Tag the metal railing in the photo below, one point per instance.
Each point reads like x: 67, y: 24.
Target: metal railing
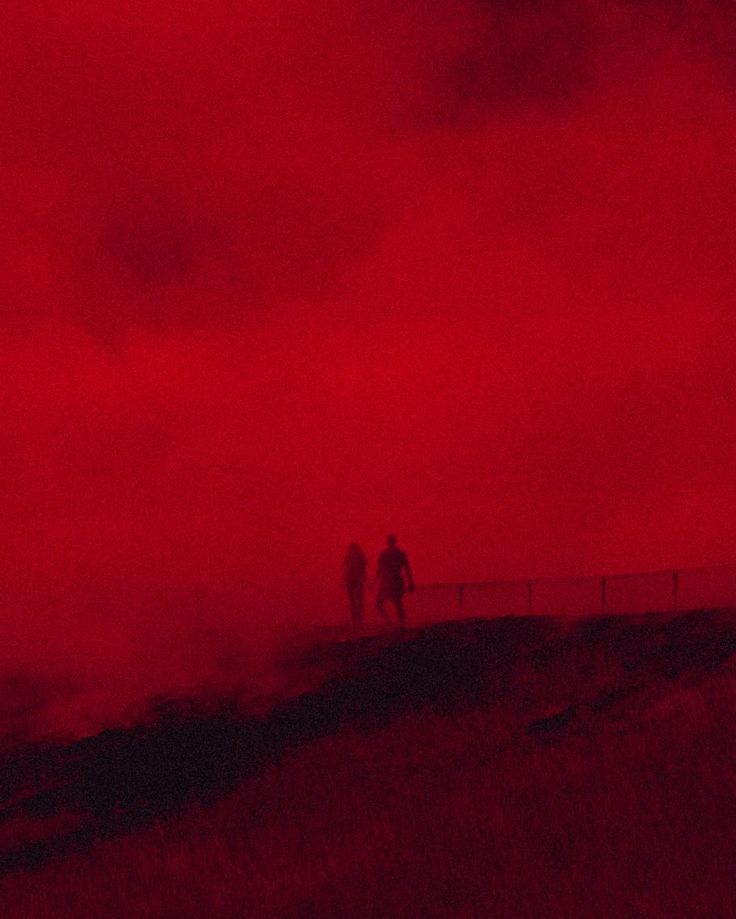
x: 638, y: 592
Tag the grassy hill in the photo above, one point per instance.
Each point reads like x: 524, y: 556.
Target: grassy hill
x: 508, y: 767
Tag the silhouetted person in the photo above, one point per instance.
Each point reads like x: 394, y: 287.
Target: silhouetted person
x: 393, y: 563
x: 354, y: 568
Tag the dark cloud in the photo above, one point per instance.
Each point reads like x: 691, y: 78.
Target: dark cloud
x: 533, y: 54
x: 154, y: 240
x: 165, y: 258
x: 710, y: 25
x: 516, y: 57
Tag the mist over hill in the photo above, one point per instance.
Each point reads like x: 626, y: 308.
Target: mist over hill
x: 542, y: 683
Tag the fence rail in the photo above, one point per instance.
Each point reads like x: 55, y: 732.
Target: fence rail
x: 638, y: 592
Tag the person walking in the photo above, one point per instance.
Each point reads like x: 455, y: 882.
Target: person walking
x: 393, y: 564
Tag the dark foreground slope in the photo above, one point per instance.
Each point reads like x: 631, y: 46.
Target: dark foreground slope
x: 506, y: 767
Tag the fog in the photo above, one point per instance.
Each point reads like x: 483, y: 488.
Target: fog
x: 282, y: 276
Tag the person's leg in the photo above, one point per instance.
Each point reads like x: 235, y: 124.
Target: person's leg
x: 381, y: 607
x: 355, y: 611
x: 360, y: 599
x: 400, y: 611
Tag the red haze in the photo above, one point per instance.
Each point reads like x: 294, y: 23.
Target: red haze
x: 279, y: 276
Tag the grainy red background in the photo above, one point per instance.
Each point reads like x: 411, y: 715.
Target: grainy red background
x: 281, y: 275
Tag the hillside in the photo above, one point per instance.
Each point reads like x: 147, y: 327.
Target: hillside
x: 507, y: 767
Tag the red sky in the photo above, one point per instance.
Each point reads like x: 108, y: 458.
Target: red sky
x: 281, y: 275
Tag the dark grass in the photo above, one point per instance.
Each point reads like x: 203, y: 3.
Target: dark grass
x: 537, y: 686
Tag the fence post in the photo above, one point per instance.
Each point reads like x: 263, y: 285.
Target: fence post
x: 603, y: 595
x: 460, y: 595
x: 529, y: 596
x: 675, y: 589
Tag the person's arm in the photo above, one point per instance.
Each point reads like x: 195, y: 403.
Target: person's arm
x: 409, y: 575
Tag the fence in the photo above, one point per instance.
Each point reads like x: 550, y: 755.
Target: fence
x: 653, y: 591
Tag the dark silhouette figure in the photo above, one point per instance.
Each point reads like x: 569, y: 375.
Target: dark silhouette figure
x: 354, y: 569
x: 393, y: 563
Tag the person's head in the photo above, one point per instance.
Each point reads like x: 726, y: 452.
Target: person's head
x: 354, y: 549
x: 391, y: 539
